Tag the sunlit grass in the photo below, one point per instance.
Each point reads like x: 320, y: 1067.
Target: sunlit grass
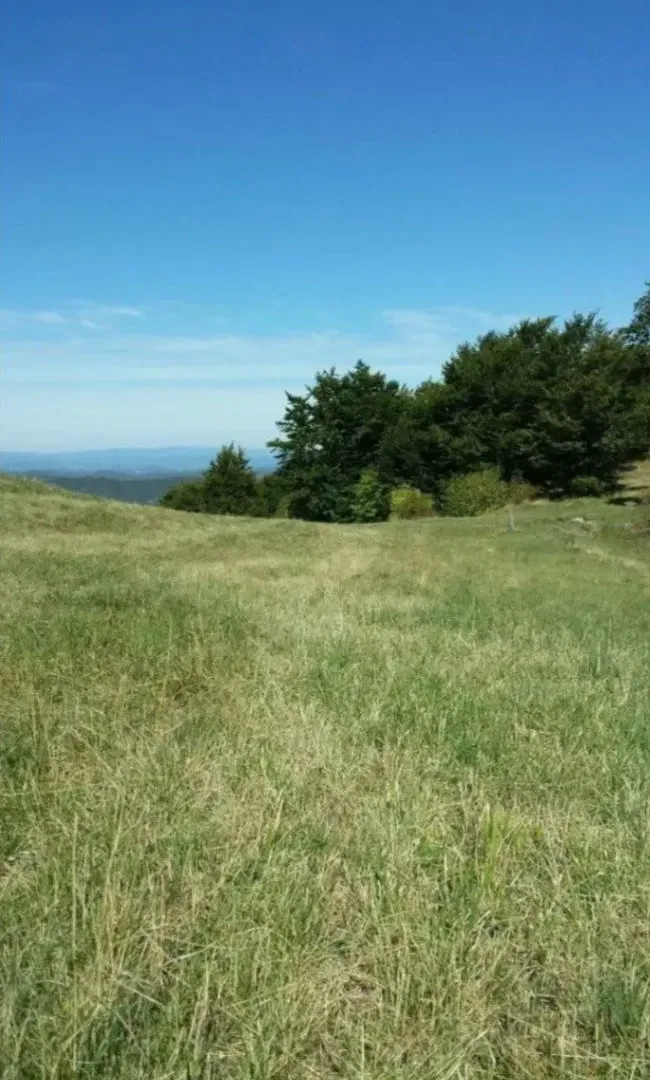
x: 289, y: 801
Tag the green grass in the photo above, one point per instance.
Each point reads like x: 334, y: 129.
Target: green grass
x: 288, y: 801
x: 635, y: 482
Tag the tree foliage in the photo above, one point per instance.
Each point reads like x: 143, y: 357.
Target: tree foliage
x: 638, y: 332
x: 371, y: 500
x: 228, y: 486
x: 542, y: 407
x: 333, y: 434
x: 188, y: 496
x: 542, y: 402
x: 272, y: 496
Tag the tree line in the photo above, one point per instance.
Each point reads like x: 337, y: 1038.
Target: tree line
x: 542, y: 407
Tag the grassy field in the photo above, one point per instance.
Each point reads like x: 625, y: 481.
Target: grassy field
x: 288, y: 801
x: 636, y: 481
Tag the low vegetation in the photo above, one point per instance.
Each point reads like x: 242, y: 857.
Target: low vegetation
x: 284, y: 800
x: 407, y: 503
x: 475, y: 493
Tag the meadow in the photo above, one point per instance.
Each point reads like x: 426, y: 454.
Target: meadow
x: 281, y: 800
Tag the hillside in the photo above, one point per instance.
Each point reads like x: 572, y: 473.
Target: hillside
x: 283, y: 800
x: 143, y: 490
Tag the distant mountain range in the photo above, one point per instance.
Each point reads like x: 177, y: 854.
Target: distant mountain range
x: 165, y: 461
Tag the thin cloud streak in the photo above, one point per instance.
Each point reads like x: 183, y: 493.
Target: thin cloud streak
x: 77, y: 386
x: 487, y: 320
x: 107, y: 311
x: 415, y: 341
x: 85, y: 315
x: 52, y: 318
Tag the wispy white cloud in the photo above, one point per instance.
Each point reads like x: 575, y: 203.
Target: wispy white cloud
x: 412, y: 344
x: 86, y: 315
x: 452, y: 321
x: 417, y: 323
x: 108, y: 311
x: 143, y: 388
x: 484, y: 320
x: 51, y: 318
x: 11, y: 319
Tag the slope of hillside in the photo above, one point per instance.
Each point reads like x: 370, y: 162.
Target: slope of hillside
x: 289, y: 801
x: 142, y: 490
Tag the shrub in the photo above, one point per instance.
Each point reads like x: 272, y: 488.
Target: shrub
x: 283, y: 508
x: 520, y: 491
x: 584, y: 487
x: 371, y: 498
x: 188, y: 495
x: 474, y: 493
x: 407, y: 503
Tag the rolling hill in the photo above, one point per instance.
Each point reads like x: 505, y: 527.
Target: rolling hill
x: 285, y: 800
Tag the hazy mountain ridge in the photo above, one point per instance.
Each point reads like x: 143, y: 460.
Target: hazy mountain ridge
x: 174, y: 462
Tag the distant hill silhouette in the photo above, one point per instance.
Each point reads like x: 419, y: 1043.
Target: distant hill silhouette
x: 168, y: 462
x: 145, y: 490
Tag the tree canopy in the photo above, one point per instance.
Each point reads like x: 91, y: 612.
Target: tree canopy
x: 333, y: 434
x: 229, y: 485
x: 560, y: 407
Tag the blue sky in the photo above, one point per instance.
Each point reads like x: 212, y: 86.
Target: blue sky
x: 205, y: 203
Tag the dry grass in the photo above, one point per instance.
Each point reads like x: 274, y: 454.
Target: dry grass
x: 282, y: 801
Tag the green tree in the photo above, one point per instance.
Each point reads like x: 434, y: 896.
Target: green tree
x: 638, y: 331
x: 637, y: 373
x: 229, y: 483
x: 543, y: 402
x: 331, y: 435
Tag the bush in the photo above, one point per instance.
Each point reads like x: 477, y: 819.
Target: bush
x: 474, y: 493
x: 407, y: 503
x: 188, y: 496
x: 520, y: 491
x: 283, y: 509
x: 584, y: 487
x: 371, y: 498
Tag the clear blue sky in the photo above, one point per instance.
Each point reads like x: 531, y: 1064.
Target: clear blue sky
x: 204, y: 203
